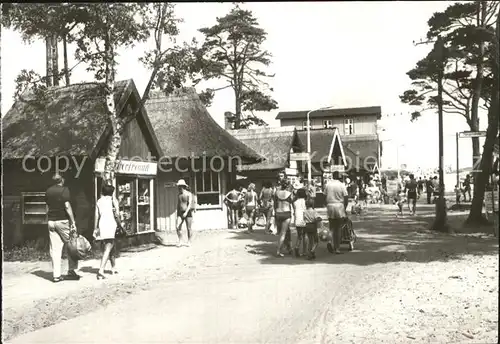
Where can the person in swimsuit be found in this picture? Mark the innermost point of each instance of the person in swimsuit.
(250, 205)
(184, 211)
(232, 201)
(283, 210)
(411, 190)
(267, 203)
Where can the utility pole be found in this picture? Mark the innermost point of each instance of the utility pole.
(440, 223)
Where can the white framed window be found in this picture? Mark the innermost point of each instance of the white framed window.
(327, 124)
(207, 189)
(348, 126)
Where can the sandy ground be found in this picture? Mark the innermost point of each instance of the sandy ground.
(402, 284)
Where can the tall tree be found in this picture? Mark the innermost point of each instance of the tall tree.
(232, 50)
(485, 167)
(103, 29)
(465, 29)
(52, 22)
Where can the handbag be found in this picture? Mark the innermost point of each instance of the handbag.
(78, 246)
(120, 231)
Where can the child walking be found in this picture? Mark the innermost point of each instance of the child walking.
(312, 219)
(400, 201)
(299, 207)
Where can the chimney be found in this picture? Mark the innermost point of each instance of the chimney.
(227, 120)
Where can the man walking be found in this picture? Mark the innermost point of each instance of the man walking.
(429, 189)
(411, 191)
(336, 204)
(61, 224)
(467, 188)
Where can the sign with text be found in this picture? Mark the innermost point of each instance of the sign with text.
(469, 134)
(335, 168)
(170, 185)
(299, 156)
(129, 167)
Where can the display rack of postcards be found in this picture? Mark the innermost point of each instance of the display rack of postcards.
(126, 201)
(144, 205)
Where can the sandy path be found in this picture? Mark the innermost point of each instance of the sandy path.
(398, 286)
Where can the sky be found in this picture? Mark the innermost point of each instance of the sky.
(342, 54)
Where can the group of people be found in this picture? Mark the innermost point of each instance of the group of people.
(291, 204)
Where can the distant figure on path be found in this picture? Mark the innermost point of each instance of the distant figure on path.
(184, 211)
(412, 193)
(61, 223)
(458, 193)
(467, 188)
(283, 179)
(384, 183)
(429, 189)
(435, 188)
(336, 204)
(311, 192)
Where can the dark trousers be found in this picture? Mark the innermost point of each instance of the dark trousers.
(429, 195)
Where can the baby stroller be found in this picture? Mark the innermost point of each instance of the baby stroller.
(348, 236)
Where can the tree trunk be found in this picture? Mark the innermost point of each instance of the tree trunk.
(55, 60)
(114, 120)
(65, 55)
(237, 117)
(478, 84)
(48, 60)
(475, 215)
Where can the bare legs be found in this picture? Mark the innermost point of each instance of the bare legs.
(108, 254)
(283, 225)
(313, 243)
(188, 221)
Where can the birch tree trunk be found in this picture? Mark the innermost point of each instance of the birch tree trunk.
(55, 60)
(65, 56)
(48, 60)
(114, 120)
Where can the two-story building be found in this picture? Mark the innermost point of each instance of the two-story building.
(358, 132)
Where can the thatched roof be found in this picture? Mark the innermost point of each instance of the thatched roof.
(355, 146)
(185, 128)
(68, 120)
(274, 144)
(367, 110)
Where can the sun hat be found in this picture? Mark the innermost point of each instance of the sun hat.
(182, 182)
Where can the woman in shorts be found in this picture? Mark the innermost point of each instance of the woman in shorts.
(283, 213)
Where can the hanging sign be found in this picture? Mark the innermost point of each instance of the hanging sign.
(299, 156)
(129, 167)
(467, 134)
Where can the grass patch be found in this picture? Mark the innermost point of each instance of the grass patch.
(32, 251)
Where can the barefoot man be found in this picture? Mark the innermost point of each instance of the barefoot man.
(184, 211)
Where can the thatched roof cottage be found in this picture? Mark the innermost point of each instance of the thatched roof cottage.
(195, 148)
(66, 128)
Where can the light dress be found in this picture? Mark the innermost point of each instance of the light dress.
(107, 223)
(300, 208)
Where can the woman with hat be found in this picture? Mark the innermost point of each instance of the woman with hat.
(184, 211)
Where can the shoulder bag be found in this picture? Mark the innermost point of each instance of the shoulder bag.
(120, 231)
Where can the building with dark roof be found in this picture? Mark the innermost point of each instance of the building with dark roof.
(196, 149)
(275, 145)
(66, 129)
(357, 128)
